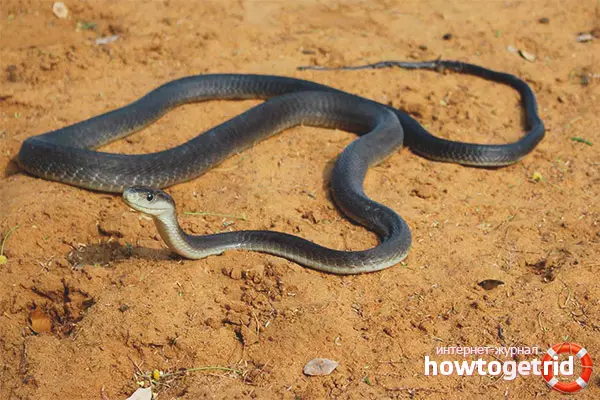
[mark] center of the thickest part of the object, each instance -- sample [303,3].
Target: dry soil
[120,305]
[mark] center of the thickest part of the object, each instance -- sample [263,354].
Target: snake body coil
[68,155]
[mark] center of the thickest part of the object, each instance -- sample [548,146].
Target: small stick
[414,389]
[136,366]
[103,394]
[433,65]
[185,371]
[210,214]
[568,296]
[539,316]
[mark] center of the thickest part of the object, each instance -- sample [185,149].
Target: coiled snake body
[68,155]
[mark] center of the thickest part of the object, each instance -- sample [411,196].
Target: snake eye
[150,197]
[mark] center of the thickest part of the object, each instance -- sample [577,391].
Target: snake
[69,155]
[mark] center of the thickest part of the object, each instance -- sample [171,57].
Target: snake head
[150,201]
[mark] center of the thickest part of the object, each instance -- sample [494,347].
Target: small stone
[584,37]
[425,326]
[544,20]
[235,274]
[213,323]
[60,10]
[309,215]
[447,36]
[233,319]
[11,73]
[107,39]
[526,55]
[249,336]
[237,306]
[423,191]
[237,319]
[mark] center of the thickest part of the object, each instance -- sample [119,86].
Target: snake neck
[173,235]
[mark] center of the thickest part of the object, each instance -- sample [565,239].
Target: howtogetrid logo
[550,368]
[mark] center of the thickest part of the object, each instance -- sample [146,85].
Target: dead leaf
[490,284]
[141,394]
[320,366]
[40,322]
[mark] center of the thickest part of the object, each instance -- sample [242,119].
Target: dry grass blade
[3,258]
[242,217]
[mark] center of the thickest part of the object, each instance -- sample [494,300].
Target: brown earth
[118,300]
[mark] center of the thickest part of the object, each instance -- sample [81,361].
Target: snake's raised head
[150,201]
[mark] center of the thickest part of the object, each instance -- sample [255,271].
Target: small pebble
[60,10]
[584,37]
[544,20]
[526,55]
[213,323]
[447,36]
[11,73]
[107,39]
[423,191]
[235,274]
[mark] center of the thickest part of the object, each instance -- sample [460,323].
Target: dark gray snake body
[68,155]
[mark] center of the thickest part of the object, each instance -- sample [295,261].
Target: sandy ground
[120,305]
